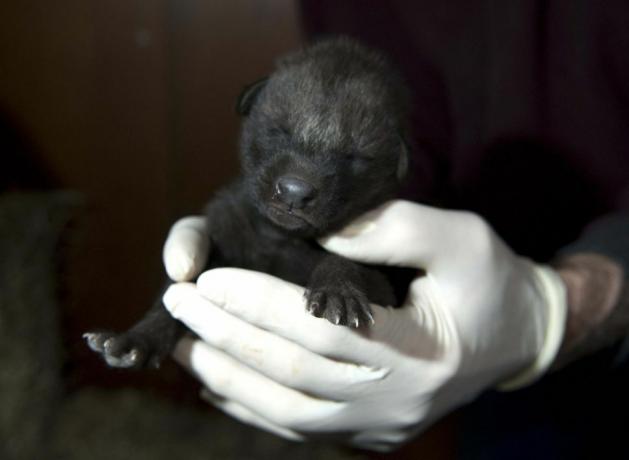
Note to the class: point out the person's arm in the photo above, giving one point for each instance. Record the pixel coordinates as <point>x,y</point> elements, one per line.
<point>594,270</point>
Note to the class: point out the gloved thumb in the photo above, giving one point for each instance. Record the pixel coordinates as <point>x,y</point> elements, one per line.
<point>410,235</point>
<point>186,248</point>
<point>398,233</point>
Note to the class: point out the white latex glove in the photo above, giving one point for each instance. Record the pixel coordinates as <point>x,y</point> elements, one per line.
<point>480,315</point>
<point>186,248</point>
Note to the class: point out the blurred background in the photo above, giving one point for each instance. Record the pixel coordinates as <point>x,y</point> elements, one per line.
<point>131,104</point>
<point>128,107</point>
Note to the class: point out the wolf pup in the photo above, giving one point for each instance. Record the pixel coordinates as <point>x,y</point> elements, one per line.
<point>323,141</point>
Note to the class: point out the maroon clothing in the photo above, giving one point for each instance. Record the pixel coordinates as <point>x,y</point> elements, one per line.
<point>521,106</point>
<point>521,114</point>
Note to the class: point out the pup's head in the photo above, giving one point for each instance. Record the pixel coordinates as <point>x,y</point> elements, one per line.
<point>323,138</point>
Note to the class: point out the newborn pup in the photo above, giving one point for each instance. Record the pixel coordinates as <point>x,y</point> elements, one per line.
<point>322,142</point>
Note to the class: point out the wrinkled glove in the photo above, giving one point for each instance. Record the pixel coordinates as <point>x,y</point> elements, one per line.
<point>476,315</point>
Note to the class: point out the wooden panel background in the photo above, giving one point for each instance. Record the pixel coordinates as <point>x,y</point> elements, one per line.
<point>132,103</point>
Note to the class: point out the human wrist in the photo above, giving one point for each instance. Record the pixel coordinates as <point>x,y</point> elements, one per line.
<point>552,292</point>
<point>593,287</point>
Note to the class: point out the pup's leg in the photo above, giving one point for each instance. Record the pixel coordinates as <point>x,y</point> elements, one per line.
<point>340,291</point>
<point>152,338</point>
<point>146,344</point>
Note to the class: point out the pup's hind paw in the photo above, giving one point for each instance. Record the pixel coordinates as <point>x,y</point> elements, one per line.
<point>342,304</point>
<point>126,350</point>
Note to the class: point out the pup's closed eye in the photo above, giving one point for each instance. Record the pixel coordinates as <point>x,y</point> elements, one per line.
<point>278,131</point>
<point>359,156</point>
<point>359,161</point>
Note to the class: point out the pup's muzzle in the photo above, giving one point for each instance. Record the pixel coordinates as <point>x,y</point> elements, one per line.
<point>293,192</point>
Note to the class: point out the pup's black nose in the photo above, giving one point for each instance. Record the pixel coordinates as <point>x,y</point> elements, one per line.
<point>294,192</point>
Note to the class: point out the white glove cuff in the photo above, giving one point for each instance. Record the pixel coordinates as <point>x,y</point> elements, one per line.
<point>554,293</point>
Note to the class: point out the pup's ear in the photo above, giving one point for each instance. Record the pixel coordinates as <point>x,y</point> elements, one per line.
<point>248,96</point>
<point>402,165</point>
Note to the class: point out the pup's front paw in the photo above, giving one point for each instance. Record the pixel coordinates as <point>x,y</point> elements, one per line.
<point>126,350</point>
<point>343,304</point>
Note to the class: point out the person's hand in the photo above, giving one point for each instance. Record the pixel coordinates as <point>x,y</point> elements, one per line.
<point>475,316</point>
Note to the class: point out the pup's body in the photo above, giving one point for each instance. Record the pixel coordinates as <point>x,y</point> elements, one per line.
<point>322,142</point>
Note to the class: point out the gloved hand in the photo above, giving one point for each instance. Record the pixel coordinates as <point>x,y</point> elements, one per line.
<point>479,315</point>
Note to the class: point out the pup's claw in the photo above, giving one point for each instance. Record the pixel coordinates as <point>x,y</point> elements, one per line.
<point>342,304</point>
<point>335,309</point>
<point>95,341</point>
<point>366,309</point>
<point>127,350</point>
<point>316,302</point>
<point>352,312</point>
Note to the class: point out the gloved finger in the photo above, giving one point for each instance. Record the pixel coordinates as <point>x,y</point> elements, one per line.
<point>243,414</point>
<point>279,307</point>
<point>234,381</point>
<point>376,440</point>
<point>404,234</point>
<point>186,248</point>
<point>273,356</point>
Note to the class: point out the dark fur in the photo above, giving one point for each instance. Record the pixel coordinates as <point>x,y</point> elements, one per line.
<point>331,119</point>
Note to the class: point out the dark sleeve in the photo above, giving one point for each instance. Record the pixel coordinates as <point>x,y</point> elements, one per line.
<point>609,236</point>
